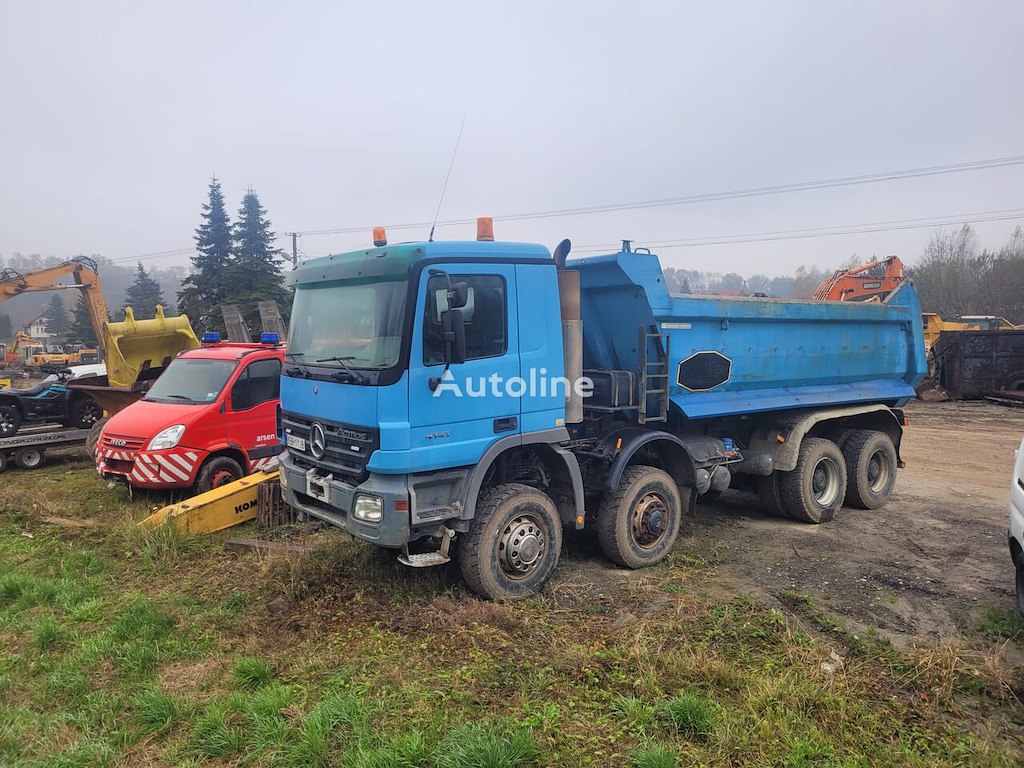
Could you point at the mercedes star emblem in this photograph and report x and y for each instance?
(317, 441)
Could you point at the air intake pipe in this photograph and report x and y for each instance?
(572, 331)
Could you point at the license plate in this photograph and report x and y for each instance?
(296, 442)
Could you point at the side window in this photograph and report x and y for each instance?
(259, 382)
(485, 316)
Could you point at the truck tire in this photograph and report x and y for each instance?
(870, 468)
(638, 524)
(29, 458)
(218, 471)
(813, 492)
(10, 420)
(769, 495)
(3, 461)
(85, 412)
(93, 440)
(513, 543)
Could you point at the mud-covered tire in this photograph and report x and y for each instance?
(218, 471)
(870, 468)
(92, 441)
(3, 462)
(638, 524)
(85, 412)
(10, 420)
(770, 496)
(513, 543)
(29, 458)
(814, 491)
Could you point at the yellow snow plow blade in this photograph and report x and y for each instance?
(134, 345)
(215, 510)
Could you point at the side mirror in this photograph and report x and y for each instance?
(459, 293)
(454, 330)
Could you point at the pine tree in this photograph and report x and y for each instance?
(57, 322)
(143, 295)
(81, 329)
(6, 331)
(255, 272)
(202, 292)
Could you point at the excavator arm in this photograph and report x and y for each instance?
(868, 282)
(86, 278)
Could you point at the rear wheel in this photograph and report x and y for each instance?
(1020, 588)
(813, 492)
(770, 496)
(513, 543)
(85, 412)
(870, 468)
(218, 471)
(3, 461)
(10, 420)
(28, 458)
(639, 523)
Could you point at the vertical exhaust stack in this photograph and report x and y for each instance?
(572, 331)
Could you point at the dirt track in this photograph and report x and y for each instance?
(925, 566)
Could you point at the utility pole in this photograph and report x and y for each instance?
(295, 248)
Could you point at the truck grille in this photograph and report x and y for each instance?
(121, 442)
(348, 447)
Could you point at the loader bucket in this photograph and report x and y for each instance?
(141, 348)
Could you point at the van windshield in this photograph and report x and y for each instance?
(191, 380)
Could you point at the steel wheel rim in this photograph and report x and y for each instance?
(31, 457)
(6, 420)
(223, 477)
(879, 471)
(521, 546)
(825, 481)
(91, 413)
(649, 521)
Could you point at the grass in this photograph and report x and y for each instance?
(999, 624)
(119, 647)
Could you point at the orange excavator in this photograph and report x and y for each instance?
(868, 282)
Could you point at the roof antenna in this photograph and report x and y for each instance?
(445, 187)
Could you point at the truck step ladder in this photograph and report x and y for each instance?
(654, 374)
(428, 559)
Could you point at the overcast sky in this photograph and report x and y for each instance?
(340, 114)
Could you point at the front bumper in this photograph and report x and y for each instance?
(154, 470)
(322, 496)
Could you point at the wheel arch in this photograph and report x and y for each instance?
(682, 458)
(13, 400)
(559, 462)
(782, 438)
(231, 452)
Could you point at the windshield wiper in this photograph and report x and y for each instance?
(297, 369)
(180, 397)
(343, 359)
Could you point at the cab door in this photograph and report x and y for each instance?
(252, 409)
(452, 425)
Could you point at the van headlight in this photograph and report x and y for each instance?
(166, 439)
(369, 509)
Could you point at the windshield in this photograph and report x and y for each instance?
(191, 380)
(346, 324)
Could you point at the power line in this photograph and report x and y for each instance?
(844, 181)
(842, 229)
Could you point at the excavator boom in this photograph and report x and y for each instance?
(868, 282)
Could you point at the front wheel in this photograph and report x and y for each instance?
(92, 441)
(218, 471)
(1020, 588)
(10, 420)
(29, 458)
(813, 492)
(513, 543)
(639, 523)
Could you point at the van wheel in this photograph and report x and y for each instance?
(218, 471)
(93, 439)
(639, 524)
(813, 492)
(870, 468)
(513, 543)
(85, 412)
(1020, 589)
(10, 420)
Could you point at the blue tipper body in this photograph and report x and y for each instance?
(781, 353)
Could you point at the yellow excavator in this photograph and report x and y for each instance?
(20, 351)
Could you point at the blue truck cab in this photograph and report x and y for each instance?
(499, 393)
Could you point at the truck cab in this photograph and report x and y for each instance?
(209, 419)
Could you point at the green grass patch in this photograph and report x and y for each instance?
(692, 715)
(1000, 624)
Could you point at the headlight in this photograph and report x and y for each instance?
(167, 439)
(369, 509)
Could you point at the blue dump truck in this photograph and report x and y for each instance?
(473, 399)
